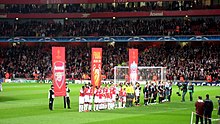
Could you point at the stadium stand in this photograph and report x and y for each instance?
(194, 62)
(109, 27)
(107, 7)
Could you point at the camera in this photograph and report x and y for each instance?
(217, 96)
(178, 93)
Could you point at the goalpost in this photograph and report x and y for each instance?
(145, 73)
(193, 119)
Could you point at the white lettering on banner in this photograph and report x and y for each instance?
(3, 16)
(85, 15)
(59, 68)
(156, 13)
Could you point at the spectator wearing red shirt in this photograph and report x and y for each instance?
(199, 110)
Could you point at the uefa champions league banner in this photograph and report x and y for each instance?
(59, 77)
(133, 65)
(96, 66)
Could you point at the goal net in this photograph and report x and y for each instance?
(144, 73)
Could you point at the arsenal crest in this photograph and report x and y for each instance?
(59, 73)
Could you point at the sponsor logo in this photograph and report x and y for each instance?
(156, 13)
(85, 15)
(133, 73)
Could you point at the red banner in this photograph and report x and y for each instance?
(133, 65)
(96, 66)
(59, 76)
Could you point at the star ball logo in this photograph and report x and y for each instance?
(133, 73)
(59, 73)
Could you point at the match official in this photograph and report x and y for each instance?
(51, 97)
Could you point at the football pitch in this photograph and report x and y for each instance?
(28, 104)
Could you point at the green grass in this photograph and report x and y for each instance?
(28, 104)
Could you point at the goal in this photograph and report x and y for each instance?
(144, 73)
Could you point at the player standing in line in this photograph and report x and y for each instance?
(108, 96)
(101, 101)
(86, 102)
(117, 89)
(90, 97)
(105, 97)
(146, 94)
(120, 97)
(81, 99)
(51, 97)
(112, 96)
(124, 94)
(96, 99)
(137, 94)
(170, 91)
(160, 91)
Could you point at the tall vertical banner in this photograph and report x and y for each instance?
(96, 68)
(133, 65)
(59, 76)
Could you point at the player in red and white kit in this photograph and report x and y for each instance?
(90, 97)
(113, 96)
(124, 97)
(86, 98)
(96, 99)
(120, 97)
(105, 96)
(101, 101)
(109, 99)
(81, 99)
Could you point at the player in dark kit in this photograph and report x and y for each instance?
(146, 94)
(51, 97)
(208, 108)
(67, 98)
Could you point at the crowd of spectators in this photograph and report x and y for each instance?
(192, 62)
(101, 7)
(111, 27)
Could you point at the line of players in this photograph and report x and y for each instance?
(151, 91)
(118, 96)
(103, 97)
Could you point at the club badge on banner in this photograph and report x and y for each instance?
(96, 66)
(59, 76)
(133, 65)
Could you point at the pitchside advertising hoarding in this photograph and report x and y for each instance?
(59, 77)
(96, 66)
(133, 65)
